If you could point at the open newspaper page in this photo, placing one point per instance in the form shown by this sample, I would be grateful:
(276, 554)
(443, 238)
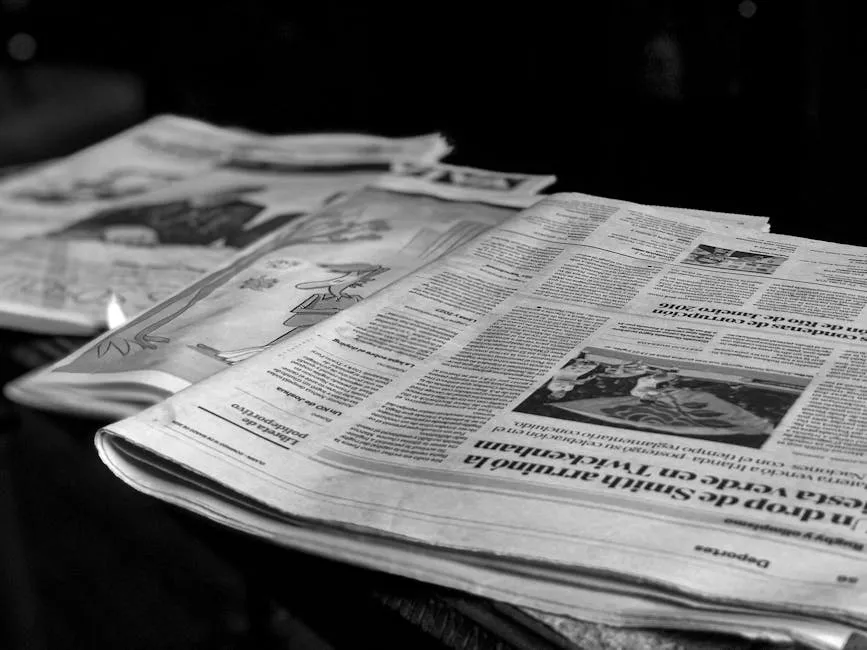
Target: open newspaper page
(268, 293)
(150, 242)
(635, 394)
(167, 149)
(120, 373)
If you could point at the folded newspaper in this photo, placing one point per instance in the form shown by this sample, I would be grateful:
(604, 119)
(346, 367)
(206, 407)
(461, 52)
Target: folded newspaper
(590, 408)
(141, 215)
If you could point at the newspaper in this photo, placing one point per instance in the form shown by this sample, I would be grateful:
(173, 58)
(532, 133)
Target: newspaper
(147, 212)
(590, 599)
(749, 221)
(52, 286)
(588, 389)
(123, 371)
(167, 149)
(300, 275)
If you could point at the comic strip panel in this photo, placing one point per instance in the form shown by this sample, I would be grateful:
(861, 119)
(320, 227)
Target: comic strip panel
(666, 397)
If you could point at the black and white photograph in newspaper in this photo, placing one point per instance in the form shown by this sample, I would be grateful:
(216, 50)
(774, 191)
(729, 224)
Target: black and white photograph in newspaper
(654, 395)
(733, 260)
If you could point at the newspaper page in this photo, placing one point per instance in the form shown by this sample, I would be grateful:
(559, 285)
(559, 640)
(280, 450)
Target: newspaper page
(606, 389)
(147, 157)
(296, 278)
(202, 220)
(167, 149)
(163, 368)
(594, 599)
(54, 287)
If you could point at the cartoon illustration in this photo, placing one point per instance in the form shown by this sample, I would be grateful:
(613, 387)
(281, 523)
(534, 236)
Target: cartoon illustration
(332, 227)
(206, 219)
(314, 309)
(165, 337)
(632, 393)
(115, 184)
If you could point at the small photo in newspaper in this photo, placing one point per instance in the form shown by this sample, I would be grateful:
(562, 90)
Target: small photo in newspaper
(733, 260)
(654, 395)
(195, 215)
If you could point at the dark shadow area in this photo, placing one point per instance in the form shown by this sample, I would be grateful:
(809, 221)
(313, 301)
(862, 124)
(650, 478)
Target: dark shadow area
(751, 106)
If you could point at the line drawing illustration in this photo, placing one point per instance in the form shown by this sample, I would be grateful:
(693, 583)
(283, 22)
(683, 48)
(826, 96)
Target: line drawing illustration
(313, 310)
(146, 332)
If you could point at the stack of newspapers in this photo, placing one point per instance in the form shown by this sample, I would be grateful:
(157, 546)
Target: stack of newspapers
(589, 408)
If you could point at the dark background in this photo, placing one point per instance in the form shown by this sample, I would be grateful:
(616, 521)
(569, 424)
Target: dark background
(752, 107)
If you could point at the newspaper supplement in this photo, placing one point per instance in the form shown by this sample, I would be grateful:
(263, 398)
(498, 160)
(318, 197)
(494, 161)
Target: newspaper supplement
(271, 292)
(560, 418)
(61, 279)
(167, 149)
